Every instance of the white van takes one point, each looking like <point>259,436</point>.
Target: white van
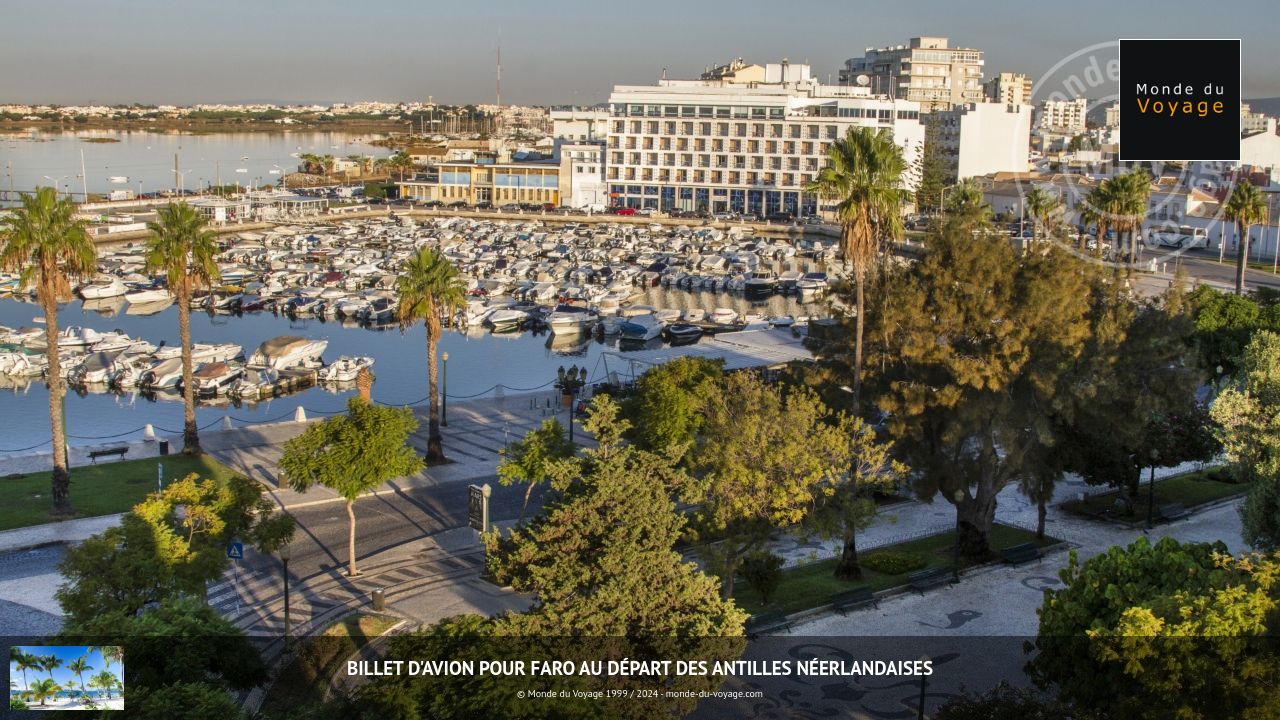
<point>1182,236</point>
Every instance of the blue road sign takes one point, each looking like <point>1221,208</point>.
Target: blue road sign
<point>235,551</point>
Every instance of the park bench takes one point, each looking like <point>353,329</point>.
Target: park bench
<point>1174,511</point>
<point>1018,554</point>
<point>922,580</point>
<point>107,452</point>
<point>767,621</point>
<point>858,597</point>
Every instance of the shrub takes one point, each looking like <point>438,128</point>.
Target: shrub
<point>762,572</point>
<point>894,562</point>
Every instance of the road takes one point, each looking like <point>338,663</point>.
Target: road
<point>1204,265</point>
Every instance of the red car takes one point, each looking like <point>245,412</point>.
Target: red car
<point>624,211</point>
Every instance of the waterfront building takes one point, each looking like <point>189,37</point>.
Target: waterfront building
<point>1009,88</point>
<point>983,138</point>
<point>741,138</point>
<point>486,181</point>
<point>582,182</point>
<point>926,71</point>
<point>580,124</point>
<point>1063,116</point>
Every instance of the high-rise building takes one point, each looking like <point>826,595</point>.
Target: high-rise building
<point>741,138</point>
<point>1112,119</point>
<point>1009,88</point>
<point>1063,116</point>
<point>983,138</point>
<point>926,71</point>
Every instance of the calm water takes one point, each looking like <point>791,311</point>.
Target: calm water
<point>477,362</point>
<point>146,158</point>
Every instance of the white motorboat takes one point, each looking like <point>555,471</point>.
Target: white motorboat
<point>127,372</point>
<point>611,325</point>
<point>724,316</point>
<point>287,351</point>
<point>78,337</point>
<point>103,287</point>
<point>254,383</point>
<point>214,378</point>
<point>17,364</point>
<point>162,375</point>
<point>667,315</point>
<point>570,319</point>
<point>95,368</point>
<point>345,368</point>
<point>694,315</point>
<point>682,333</point>
<point>812,285</point>
<point>506,319</point>
<point>151,308</point>
<point>642,328</point>
<point>149,295</point>
<point>202,352</point>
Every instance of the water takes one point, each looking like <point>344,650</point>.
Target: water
<point>477,363</point>
<point>34,158</point>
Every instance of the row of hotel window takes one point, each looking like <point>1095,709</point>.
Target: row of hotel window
<point>752,113</point>
<point>515,180</point>
<point>773,130</point>
<point>713,177</point>
<point>750,147</point>
<point>738,162</point>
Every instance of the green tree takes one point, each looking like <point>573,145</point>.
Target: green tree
<point>171,544</point>
<point>181,247</point>
<point>352,454</point>
<point>1044,208</point>
<point>665,413</point>
<point>1224,324</point>
<point>22,662</point>
<point>80,666</point>
<point>965,205</point>
<point>1163,631</point>
<point>933,172</point>
<point>430,290</point>
<point>1005,702</point>
<point>1131,192</point>
<point>48,247</point>
<point>528,460</point>
<point>105,680</point>
<point>42,690</point>
<point>1249,419</point>
<point>1245,207</point>
<point>49,663</point>
<point>764,459</point>
<point>864,177</point>
<point>762,572</point>
<point>1097,213</point>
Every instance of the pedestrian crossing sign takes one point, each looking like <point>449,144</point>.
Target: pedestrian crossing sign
<point>235,551</point>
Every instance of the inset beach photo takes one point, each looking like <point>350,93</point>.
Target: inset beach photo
<point>66,677</point>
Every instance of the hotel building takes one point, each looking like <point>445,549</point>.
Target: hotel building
<point>741,138</point>
<point>925,70</point>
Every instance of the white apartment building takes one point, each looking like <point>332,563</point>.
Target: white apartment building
<point>582,182</point>
<point>1250,121</point>
<point>580,125</point>
<point>1063,116</point>
<point>925,70</point>
<point>743,138</point>
<point>1113,115</point>
<point>984,138</point>
<point>1009,88</point>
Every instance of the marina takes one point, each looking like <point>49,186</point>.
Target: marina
<point>539,294</point>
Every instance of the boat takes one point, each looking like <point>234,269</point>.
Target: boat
<point>302,305</point>
<point>570,319</point>
<point>202,352</point>
<point>760,284</point>
<point>103,287</point>
<point>507,319</point>
<point>254,383</point>
<point>681,333</point>
<point>18,364</point>
<point>345,368</point>
<point>163,374</point>
<point>127,372</point>
<point>782,321</point>
<point>213,378</point>
<point>288,351</point>
<point>812,285</point>
<point>151,308</point>
<point>611,325</point>
<point>724,316</point>
<point>95,368</point>
<point>78,337</point>
<point>694,315</point>
<point>148,295</point>
<point>642,328</point>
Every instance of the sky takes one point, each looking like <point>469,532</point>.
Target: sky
<point>62,676</point>
<point>553,52</point>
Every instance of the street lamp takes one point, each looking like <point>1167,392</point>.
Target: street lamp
<point>924,683</point>
<point>569,384</point>
<point>1151,487</point>
<point>284,560</point>
<point>958,496</point>
<point>55,181</point>
<point>444,393</point>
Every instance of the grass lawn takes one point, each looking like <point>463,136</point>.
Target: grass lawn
<point>102,489</point>
<point>812,585</point>
<point>306,678</point>
<point>1194,488</point>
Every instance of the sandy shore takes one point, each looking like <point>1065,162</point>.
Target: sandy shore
<point>77,704</point>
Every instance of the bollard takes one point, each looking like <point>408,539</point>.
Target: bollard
<point>148,433</point>
<point>300,414</point>
<point>226,422</point>
<point>379,598</point>
<point>164,447</point>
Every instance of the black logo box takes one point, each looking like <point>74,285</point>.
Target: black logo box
<point>1185,64</point>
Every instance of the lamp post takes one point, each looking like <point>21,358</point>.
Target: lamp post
<point>958,496</point>
<point>924,683</point>
<point>55,181</point>
<point>284,560</point>
<point>444,391</point>
<point>1151,487</point>
<point>569,383</point>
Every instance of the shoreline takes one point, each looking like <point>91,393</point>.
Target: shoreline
<point>210,127</point>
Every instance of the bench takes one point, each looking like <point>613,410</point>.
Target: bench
<point>767,621</point>
<point>1018,554</point>
<point>858,597</point>
<point>922,580</point>
<point>108,452</point>
<point>1174,511</point>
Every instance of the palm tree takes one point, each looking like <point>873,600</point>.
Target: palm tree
<point>24,661</point>
<point>104,680</point>
<point>49,663</point>
<point>1097,212</point>
<point>110,654</point>
<point>44,689</point>
<point>1042,206</point>
<point>966,206</point>
<point>430,290</point>
<point>44,242</point>
<point>1246,208</point>
<point>863,176</point>
<point>183,249</point>
<point>80,666</point>
<point>1132,190</point>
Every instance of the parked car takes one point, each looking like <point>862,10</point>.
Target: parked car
<point>624,211</point>
<point>484,206</point>
<point>780,217</point>
<point>457,204</point>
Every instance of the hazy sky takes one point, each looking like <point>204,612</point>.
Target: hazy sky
<point>553,51</point>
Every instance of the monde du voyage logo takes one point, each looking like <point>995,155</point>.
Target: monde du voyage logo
<point>1179,100</point>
